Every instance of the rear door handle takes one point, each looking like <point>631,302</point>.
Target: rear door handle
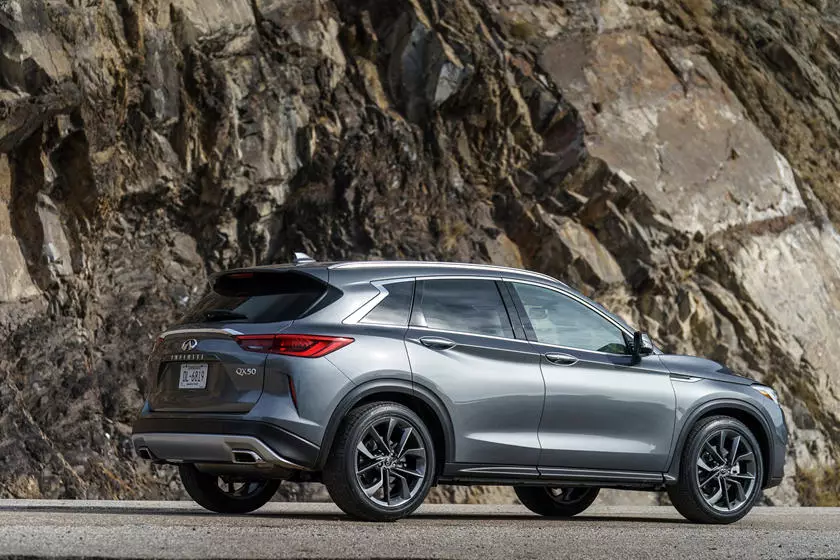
<point>560,359</point>
<point>436,342</point>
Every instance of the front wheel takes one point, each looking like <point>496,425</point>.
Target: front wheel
<point>720,472</point>
<point>224,494</point>
<point>554,501</point>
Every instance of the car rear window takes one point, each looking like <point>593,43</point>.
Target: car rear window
<point>257,297</point>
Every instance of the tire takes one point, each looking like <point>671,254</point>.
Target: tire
<point>554,501</point>
<point>245,497</point>
<point>719,456</point>
<point>350,470</point>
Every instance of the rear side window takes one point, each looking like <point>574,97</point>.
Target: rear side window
<point>468,306</point>
<point>257,297</point>
<point>395,308</point>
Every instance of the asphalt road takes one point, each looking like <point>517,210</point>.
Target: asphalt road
<point>182,530</point>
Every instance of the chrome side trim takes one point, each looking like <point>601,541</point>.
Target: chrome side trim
<point>207,448</point>
<point>586,474</point>
<point>684,378</point>
<point>500,470</point>
<point>228,332</point>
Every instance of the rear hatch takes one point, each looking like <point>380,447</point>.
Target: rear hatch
<point>203,364</point>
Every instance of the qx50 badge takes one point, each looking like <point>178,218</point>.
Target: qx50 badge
<point>189,344</point>
<point>246,371</point>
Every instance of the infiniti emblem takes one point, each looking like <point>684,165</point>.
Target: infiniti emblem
<point>189,344</point>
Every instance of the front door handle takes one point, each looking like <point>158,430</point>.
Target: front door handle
<point>560,359</point>
<point>436,342</point>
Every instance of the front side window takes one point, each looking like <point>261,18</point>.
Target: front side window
<point>563,321</point>
<point>468,306</point>
<point>395,308</point>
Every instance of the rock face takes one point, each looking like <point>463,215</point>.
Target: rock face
<point>676,160</point>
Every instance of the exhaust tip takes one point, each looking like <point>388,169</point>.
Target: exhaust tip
<point>246,457</point>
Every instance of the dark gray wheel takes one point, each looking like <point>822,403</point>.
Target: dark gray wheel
<point>226,494</point>
<point>720,472</point>
<point>391,461</point>
<point>555,501</point>
<point>382,463</point>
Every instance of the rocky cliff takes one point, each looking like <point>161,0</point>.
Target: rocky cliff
<point>676,159</point>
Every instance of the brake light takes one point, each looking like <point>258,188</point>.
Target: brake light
<point>301,345</point>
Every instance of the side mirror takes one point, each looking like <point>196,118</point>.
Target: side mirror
<point>642,346</point>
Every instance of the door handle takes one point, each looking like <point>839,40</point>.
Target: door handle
<point>436,342</point>
<point>560,359</point>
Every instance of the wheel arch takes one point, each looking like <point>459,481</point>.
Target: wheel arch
<point>749,415</point>
<point>422,401</point>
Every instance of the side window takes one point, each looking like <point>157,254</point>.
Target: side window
<point>395,308</point>
<point>560,320</point>
<point>468,306</point>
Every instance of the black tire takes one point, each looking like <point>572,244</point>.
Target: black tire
<point>686,495</point>
<point>345,486</point>
<point>205,490</point>
<point>556,502</point>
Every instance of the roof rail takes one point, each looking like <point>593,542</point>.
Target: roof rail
<point>434,264</point>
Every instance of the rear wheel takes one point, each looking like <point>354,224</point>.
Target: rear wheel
<point>554,501</point>
<point>720,472</point>
<point>226,494</point>
<point>382,463</point>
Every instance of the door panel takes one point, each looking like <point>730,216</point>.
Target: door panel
<point>604,409</point>
<point>461,345</point>
<point>603,413</point>
<point>493,389</point>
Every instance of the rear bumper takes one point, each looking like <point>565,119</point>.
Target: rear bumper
<point>211,440</point>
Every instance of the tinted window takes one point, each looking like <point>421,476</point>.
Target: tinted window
<point>563,321</point>
<point>469,306</point>
<point>394,309</point>
<point>257,297</point>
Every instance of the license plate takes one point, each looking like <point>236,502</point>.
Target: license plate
<point>193,376</point>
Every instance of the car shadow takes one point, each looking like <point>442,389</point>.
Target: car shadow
<point>113,510</point>
<point>179,512</point>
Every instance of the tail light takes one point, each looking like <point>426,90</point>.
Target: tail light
<point>301,345</point>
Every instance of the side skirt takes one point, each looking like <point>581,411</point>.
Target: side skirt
<point>505,475</point>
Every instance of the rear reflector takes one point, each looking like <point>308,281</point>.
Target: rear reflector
<point>301,345</point>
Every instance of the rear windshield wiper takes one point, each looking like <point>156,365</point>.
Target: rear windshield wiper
<point>218,314</point>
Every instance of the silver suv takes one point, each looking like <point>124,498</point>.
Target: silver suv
<point>381,379</point>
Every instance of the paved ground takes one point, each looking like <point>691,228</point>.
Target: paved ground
<point>181,530</point>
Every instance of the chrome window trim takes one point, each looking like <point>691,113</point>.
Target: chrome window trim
<point>582,302</point>
<point>356,317</point>
<point>462,333</point>
<point>229,332</point>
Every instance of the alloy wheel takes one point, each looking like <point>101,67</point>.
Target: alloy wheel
<point>390,462</point>
<point>564,495</point>
<point>239,489</point>
<point>726,470</point>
